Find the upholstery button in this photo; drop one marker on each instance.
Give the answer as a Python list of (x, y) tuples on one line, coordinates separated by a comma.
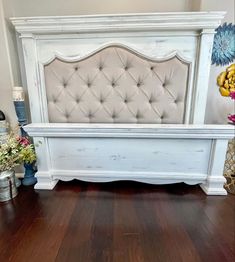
[(77, 100), (65, 85), (126, 68), (55, 101), (113, 84), (76, 68), (89, 84), (101, 68), (151, 68), (114, 115), (126, 101), (164, 84), (101, 100), (138, 84), (90, 115)]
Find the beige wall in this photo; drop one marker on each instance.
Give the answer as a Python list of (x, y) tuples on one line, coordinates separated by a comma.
[(77, 7), (218, 107), (9, 64), (6, 73)]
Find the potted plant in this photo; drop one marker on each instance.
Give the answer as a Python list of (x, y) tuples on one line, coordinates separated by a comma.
[(14, 150)]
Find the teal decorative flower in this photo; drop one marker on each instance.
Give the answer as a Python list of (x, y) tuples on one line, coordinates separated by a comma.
[(223, 51)]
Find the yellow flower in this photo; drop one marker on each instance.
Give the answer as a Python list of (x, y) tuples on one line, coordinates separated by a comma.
[(226, 81)]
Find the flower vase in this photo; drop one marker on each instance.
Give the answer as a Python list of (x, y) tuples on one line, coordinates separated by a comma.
[(29, 175), (8, 188), (18, 182)]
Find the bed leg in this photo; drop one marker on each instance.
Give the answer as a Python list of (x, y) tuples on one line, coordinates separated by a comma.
[(214, 185), (45, 181)]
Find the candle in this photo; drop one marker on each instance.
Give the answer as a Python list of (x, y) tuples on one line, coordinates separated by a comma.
[(18, 93), (18, 99)]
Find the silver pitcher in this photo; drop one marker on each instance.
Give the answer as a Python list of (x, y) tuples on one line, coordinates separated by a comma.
[(8, 188)]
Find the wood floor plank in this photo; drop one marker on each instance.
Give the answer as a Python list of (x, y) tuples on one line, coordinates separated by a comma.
[(76, 244), (205, 236), (43, 235), (127, 236), (117, 222)]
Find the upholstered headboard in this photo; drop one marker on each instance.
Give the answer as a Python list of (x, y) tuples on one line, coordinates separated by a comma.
[(116, 85), (130, 68)]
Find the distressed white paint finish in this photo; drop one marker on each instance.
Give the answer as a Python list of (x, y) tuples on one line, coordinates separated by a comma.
[(157, 154), (155, 45), (45, 180), (131, 130), (202, 76), (214, 182), (113, 22), (32, 77), (121, 154)]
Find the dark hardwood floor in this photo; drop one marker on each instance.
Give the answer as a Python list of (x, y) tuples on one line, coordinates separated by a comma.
[(121, 221)]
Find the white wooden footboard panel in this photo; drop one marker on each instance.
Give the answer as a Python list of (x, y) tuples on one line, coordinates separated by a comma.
[(130, 154), (158, 154)]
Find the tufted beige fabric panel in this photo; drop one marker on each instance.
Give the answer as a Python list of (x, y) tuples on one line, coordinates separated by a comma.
[(116, 85)]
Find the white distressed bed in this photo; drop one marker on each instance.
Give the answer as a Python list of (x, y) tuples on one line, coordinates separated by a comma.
[(123, 97)]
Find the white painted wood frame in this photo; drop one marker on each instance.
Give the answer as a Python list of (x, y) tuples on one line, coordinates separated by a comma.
[(191, 153), (157, 154)]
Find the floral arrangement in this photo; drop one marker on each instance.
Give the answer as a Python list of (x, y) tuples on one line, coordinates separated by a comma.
[(15, 150), (223, 51)]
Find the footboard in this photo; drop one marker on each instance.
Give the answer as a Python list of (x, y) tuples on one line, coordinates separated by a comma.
[(156, 154)]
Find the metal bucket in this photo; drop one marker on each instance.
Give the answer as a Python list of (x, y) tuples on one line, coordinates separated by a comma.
[(8, 188)]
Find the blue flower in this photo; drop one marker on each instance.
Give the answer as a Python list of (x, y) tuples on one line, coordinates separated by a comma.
[(223, 51)]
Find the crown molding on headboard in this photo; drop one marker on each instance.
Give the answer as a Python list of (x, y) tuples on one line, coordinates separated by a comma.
[(118, 22)]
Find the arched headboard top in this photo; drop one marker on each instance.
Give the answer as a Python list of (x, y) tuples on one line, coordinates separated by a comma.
[(116, 85)]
